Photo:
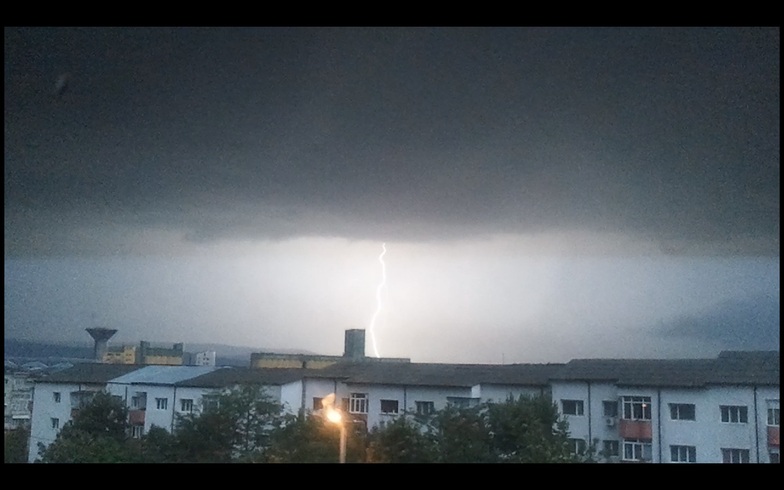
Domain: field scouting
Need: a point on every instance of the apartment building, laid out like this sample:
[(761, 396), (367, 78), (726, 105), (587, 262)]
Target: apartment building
[(692, 410), (673, 411)]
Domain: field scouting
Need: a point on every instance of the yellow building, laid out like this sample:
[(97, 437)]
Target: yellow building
[(145, 354), (125, 354)]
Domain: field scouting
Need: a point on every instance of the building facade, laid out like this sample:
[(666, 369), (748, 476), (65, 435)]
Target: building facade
[(661, 411)]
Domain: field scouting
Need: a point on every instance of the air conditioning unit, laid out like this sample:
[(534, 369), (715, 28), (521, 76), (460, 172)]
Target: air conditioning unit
[(609, 421)]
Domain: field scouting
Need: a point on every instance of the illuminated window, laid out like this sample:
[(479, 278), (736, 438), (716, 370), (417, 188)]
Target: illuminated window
[(683, 454), (389, 406), (358, 403), (637, 407), (682, 411), (572, 407), (731, 455), (734, 414)]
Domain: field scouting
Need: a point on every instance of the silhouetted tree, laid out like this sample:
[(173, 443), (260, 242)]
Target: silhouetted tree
[(402, 440), (15, 445)]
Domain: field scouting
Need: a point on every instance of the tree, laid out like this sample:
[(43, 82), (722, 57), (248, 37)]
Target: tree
[(528, 430), (252, 415), (15, 441), (159, 445), (97, 434), (309, 438), (462, 435), (234, 426), (402, 441), (523, 430)]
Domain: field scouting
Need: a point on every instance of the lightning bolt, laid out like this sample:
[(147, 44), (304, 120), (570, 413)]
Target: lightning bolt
[(378, 297)]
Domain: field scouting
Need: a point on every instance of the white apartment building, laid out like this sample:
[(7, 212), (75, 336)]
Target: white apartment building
[(707, 410), (674, 411), (58, 396)]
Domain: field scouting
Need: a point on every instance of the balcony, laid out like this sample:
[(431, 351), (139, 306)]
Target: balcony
[(635, 429), (773, 436), (136, 417)]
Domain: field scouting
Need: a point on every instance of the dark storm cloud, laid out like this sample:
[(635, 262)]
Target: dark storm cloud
[(750, 324), (669, 135)]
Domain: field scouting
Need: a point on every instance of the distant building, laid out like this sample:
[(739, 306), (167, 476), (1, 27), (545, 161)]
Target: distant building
[(145, 354), (160, 355), (122, 354), (206, 358)]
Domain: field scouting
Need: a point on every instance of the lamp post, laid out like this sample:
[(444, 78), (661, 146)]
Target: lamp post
[(336, 417)]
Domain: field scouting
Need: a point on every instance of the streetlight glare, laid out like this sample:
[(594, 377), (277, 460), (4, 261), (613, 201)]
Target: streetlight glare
[(334, 416)]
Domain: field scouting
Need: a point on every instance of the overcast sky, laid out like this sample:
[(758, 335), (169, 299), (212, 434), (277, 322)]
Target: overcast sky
[(543, 193)]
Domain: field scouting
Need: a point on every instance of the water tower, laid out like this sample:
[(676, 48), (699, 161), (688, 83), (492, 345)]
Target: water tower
[(101, 337)]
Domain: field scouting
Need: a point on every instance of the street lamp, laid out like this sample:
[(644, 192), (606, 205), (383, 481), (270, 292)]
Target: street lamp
[(336, 417)]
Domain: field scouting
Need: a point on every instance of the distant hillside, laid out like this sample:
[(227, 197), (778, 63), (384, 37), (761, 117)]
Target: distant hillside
[(226, 355), (26, 349)]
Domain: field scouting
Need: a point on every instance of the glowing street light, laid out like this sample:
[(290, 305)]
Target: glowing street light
[(336, 417)]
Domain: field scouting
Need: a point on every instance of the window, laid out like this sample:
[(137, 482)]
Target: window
[(577, 446), (210, 402), (734, 414), (186, 405), (389, 406), (731, 455), (57, 396), (462, 401), (137, 431), (774, 416), (572, 407), (683, 454), (610, 408), (425, 408), (682, 411), (161, 403), (317, 403), (637, 408), (610, 449), (139, 401), (55, 423), (358, 403), (774, 457), (637, 450)]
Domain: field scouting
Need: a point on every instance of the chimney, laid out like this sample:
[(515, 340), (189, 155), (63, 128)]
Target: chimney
[(355, 344), (101, 337)]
